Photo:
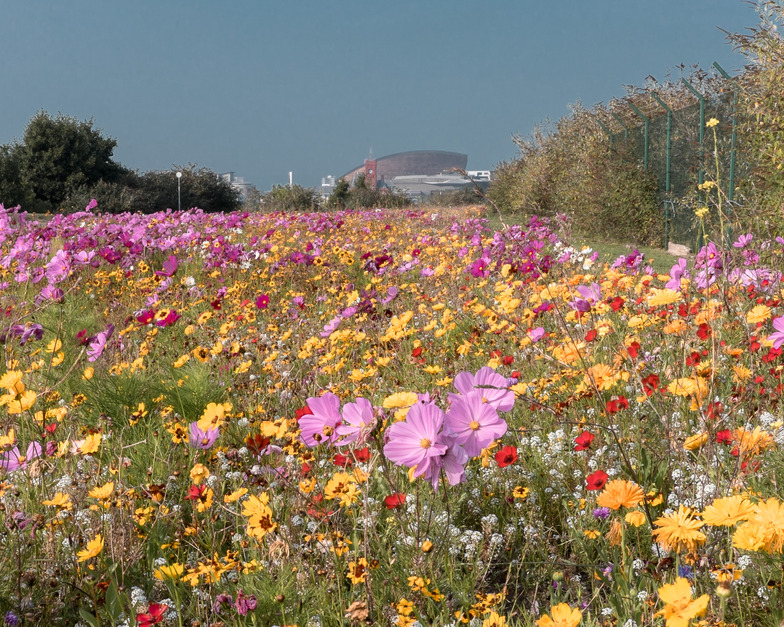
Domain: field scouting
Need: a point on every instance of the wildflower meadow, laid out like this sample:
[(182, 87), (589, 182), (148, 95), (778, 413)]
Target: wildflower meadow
[(391, 417)]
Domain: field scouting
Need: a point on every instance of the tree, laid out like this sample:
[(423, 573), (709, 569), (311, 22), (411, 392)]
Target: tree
[(14, 189), (61, 155), (291, 198), (340, 195)]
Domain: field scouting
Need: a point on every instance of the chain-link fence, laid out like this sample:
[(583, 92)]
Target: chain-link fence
[(666, 128)]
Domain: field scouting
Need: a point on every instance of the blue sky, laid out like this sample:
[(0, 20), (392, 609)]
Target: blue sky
[(262, 88)]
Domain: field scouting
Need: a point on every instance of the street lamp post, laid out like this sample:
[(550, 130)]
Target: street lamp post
[(179, 204)]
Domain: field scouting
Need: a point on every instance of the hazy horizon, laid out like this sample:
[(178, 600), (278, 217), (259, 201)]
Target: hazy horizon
[(264, 88)]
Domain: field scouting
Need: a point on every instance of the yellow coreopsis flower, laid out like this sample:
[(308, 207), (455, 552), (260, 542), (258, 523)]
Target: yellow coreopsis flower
[(60, 501), (199, 473), (91, 444), (235, 496), (102, 492), (712, 122), (172, 571), (94, 547), (693, 442), (561, 615), (679, 607)]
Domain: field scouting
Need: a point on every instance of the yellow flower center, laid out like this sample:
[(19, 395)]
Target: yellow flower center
[(425, 443), (473, 425)]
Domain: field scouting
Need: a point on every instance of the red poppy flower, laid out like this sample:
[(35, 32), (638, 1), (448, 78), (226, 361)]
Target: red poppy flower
[(153, 616), (591, 335), (362, 454), (302, 411), (616, 303), (583, 441), (342, 460), (508, 360), (614, 405), (195, 492), (506, 456), (714, 410), (703, 331), (650, 384), (395, 500), (416, 352), (596, 480), (633, 349)]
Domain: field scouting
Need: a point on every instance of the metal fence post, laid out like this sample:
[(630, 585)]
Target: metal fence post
[(701, 98), (606, 130), (645, 136), (731, 192), (667, 171)]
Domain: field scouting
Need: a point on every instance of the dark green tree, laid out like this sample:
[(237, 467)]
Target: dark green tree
[(14, 188), (340, 195), (291, 198), (60, 155)]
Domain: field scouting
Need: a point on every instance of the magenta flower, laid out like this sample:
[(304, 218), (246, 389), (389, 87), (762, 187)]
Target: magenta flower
[(58, 267), (415, 442), (474, 421), (171, 317), (320, 426), (169, 267), (202, 439), (493, 387), (778, 337), (262, 301), (13, 460), (452, 462), (98, 343), (359, 422), (678, 271)]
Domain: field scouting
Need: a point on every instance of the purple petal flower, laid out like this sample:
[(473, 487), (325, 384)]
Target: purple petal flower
[(13, 460), (98, 344), (474, 421), (778, 337), (414, 442), (359, 419), (320, 425), (202, 439), (493, 387)]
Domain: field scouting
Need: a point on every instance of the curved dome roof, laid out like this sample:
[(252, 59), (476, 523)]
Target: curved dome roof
[(427, 162)]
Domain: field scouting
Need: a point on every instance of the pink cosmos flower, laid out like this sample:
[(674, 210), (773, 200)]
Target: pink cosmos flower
[(13, 460), (493, 387), (415, 442), (778, 337), (98, 344), (452, 462), (58, 267), (320, 426), (169, 267), (475, 422), (202, 439), (359, 422), (536, 334)]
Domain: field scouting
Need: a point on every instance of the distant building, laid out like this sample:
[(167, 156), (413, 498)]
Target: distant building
[(327, 186), (238, 183), (412, 163)]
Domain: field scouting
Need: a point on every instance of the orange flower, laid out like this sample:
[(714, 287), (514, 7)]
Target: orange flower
[(620, 493), (679, 530)]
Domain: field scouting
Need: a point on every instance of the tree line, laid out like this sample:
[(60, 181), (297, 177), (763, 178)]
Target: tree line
[(61, 163)]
